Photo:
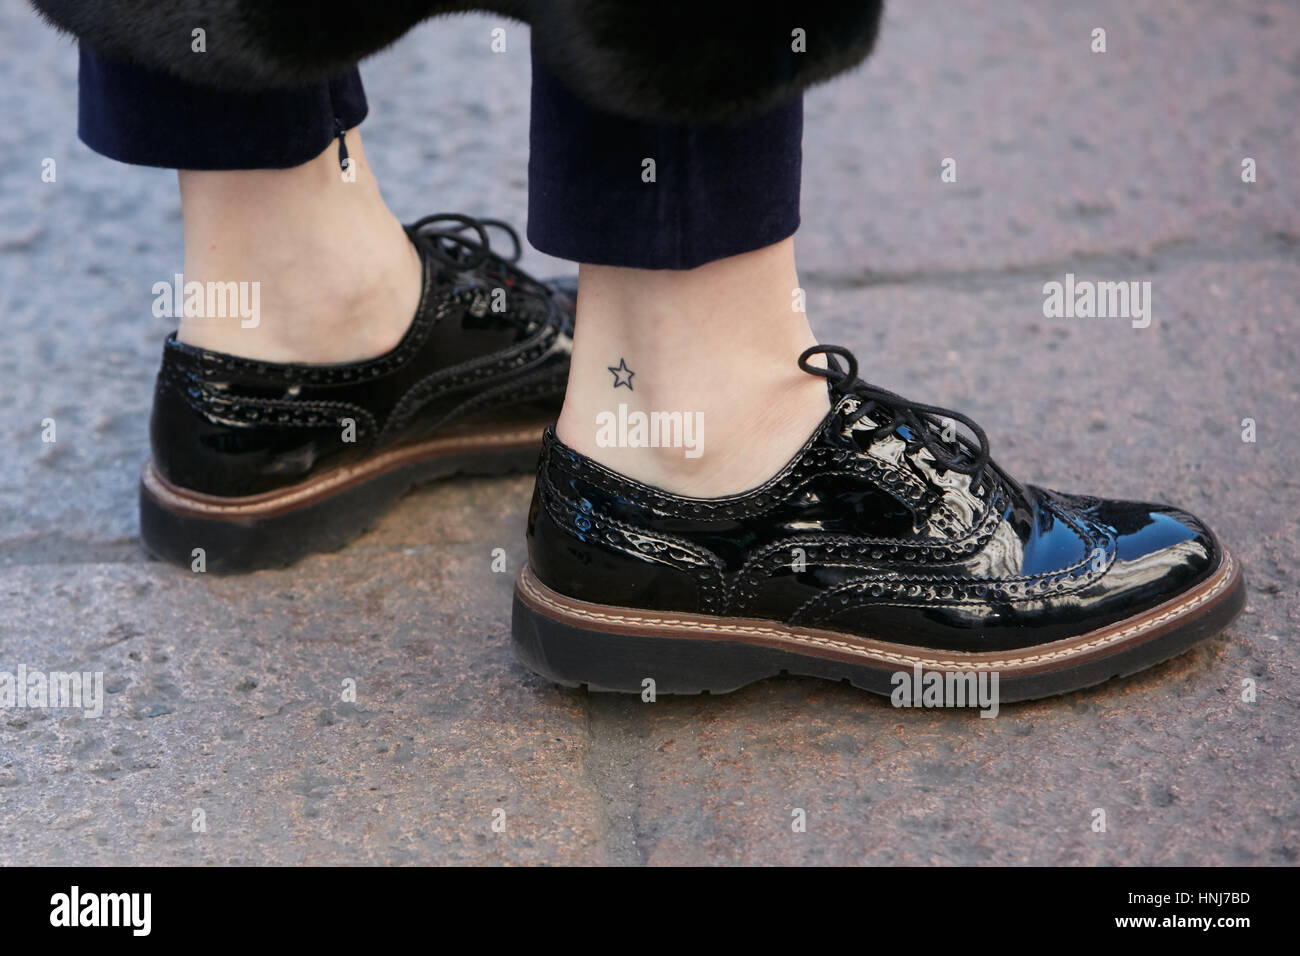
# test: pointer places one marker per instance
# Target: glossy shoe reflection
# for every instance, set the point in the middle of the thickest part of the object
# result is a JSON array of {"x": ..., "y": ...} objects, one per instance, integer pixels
[{"x": 880, "y": 548}]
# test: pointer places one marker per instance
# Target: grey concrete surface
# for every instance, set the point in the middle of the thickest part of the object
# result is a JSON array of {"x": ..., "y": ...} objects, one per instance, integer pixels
[{"x": 224, "y": 694}]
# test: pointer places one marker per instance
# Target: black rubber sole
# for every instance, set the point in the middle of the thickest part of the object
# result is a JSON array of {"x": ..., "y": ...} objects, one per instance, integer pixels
[
  {"x": 238, "y": 545},
  {"x": 605, "y": 660}
]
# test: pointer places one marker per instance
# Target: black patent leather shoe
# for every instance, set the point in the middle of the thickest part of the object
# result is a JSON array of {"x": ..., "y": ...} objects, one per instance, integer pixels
[
  {"x": 882, "y": 554},
  {"x": 256, "y": 464}
]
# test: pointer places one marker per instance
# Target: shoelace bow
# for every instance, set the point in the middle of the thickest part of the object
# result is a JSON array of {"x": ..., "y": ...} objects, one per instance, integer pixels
[
  {"x": 445, "y": 236},
  {"x": 922, "y": 422}
]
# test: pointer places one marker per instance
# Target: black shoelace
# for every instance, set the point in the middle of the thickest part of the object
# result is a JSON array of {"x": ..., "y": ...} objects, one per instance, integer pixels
[
  {"x": 461, "y": 243},
  {"x": 918, "y": 425}
]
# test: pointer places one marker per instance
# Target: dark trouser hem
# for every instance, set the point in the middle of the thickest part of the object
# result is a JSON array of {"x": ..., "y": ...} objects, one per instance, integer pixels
[
  {"x": 146, "y": 118},
  {"x": 719, "y": 190}
]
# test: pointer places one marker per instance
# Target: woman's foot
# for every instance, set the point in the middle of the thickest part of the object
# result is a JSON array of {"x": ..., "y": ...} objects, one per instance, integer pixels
[
  {"x": 361, "y": 357},
  {"x": 889, "y": 551},
  {"x": 257, "y": 463}
]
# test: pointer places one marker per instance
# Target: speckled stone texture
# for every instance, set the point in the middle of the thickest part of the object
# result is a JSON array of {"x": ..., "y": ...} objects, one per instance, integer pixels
[{"x": 225, "y": 695}]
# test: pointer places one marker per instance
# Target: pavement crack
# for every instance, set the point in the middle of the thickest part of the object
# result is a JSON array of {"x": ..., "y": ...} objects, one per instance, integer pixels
[{"x": 613, "y": 771}]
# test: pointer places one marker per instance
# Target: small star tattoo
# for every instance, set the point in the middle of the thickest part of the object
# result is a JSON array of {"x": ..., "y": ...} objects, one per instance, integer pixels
[{"x": 621, "y": 367}]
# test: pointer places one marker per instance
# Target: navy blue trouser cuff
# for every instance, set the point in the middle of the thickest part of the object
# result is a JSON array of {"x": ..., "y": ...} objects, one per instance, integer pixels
[
  {"x": 717, "y": 190},
  {"x": 146, "y": 118}
]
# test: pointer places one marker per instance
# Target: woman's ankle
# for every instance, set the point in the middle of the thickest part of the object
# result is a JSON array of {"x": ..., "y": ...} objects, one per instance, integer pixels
[
  {"x": 708, "y": 449},
  {"x": 326, "y": 270},
  {"x": 688, "y": 381}
]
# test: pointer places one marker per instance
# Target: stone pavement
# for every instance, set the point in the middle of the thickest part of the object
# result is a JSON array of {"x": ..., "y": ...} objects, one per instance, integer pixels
[{"x": 224, "y": 694}]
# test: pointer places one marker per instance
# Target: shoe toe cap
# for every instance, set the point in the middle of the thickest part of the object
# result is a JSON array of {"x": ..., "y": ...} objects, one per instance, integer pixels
[{"x": 1160, "y": 551}]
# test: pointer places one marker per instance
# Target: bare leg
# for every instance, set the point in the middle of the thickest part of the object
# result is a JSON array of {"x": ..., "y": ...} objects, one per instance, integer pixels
[
  {"x": 721, "y": 340},
  {"x": 339, "y": 279}
]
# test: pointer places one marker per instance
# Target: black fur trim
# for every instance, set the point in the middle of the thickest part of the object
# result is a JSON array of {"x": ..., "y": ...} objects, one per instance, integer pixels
[
  {"x": 702, "y": 60},
  {"x": 666, "y": 61}
]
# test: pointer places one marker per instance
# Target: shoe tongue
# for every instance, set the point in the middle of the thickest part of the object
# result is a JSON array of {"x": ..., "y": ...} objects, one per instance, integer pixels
[{"x": 901, "y": 441}]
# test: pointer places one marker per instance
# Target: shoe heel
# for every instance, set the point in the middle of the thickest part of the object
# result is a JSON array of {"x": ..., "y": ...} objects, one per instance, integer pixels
[
  {"x": 236, "y": 546},
  {"x": 572, "y": 656},
  {"x": 277, "y": 537}
]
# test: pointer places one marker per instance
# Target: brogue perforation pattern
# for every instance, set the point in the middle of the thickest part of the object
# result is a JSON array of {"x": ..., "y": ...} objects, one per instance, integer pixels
[
  {"x": 580, "y": 519},
  {"x": 446, "y": 381},
  {"x": 949, "y": 590}
]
